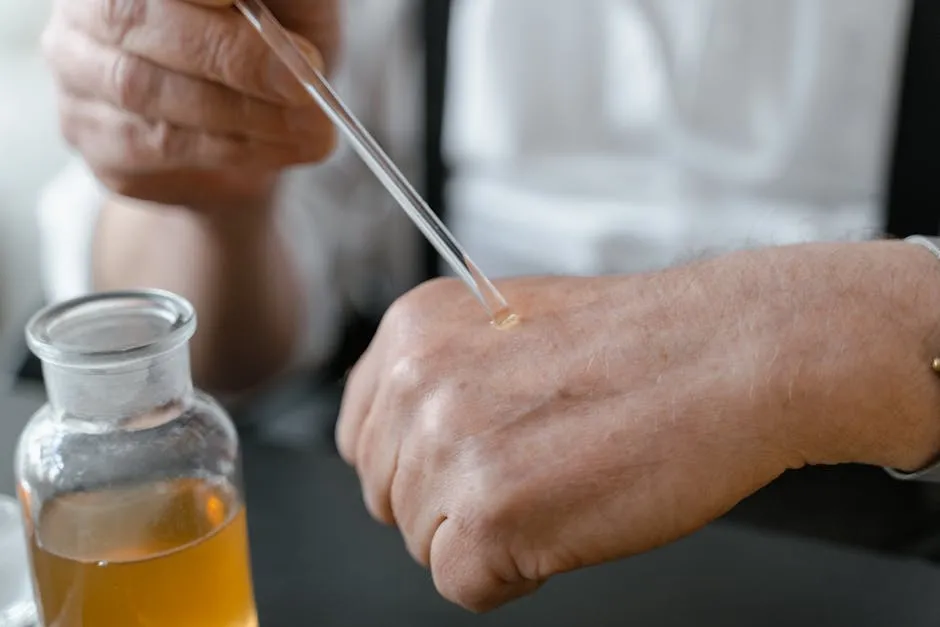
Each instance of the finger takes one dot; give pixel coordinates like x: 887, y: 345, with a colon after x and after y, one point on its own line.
x: 220, y: 46
x: 377, y: 452
x: 89, y: 70
x: 358, y: 397
x: 416, y: 511
x: 321, y: 22
x: 465, y: 574
x: 418, y: 487
x: 115, y: 140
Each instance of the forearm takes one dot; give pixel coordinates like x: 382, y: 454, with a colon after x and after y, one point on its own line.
x: 234, y: 268
x: 850, y: 363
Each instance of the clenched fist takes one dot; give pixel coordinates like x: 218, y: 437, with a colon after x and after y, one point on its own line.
x: 625, y: 412
x: 182, y: 102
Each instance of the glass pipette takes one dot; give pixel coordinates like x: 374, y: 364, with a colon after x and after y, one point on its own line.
x: 378, y: 161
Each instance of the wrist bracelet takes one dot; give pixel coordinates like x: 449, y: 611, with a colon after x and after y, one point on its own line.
x: 930, y: 473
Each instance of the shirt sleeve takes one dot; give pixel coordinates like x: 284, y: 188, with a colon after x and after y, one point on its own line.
x: 67, y: 212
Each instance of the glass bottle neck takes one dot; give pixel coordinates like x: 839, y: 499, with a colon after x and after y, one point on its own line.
x: 125, y: 391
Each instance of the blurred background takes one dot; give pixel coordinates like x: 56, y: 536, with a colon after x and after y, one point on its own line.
x: 31, y: 153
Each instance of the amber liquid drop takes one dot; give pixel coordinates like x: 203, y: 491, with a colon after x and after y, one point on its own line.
x: 171, y: 554
x: 505, y: 319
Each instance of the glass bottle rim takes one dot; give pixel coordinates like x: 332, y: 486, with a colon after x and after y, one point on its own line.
x: 75, y: 332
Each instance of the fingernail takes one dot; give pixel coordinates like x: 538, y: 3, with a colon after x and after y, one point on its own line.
x: 284, y: 81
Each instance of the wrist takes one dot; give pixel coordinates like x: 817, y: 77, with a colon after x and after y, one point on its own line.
x: 202, y: 192
x: 238, y: 226
x: 239, y: 220
x: 176, y: 248
x: 857, y: 379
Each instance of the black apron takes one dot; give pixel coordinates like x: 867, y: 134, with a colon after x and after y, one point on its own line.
x: 911, y: 202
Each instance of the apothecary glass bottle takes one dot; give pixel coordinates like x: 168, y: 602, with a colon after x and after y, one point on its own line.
x: 129, y: 477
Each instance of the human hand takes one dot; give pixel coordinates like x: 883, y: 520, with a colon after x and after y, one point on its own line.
x: 181, y: 102
x: 624, y: 413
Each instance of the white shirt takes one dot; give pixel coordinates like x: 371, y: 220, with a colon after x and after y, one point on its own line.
x: 586, y: 137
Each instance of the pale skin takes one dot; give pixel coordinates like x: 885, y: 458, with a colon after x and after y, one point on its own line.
x: 622, y: 413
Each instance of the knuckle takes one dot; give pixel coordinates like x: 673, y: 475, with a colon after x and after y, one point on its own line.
x: 419, y: 374
x: 218, y: 51
x: 405, y: 313
x: 132, y: 83
x: 168, y: 143
x: 162, y: 140
x: 439, y: 428
x: 484, y: 501
x: 408, y: 375
x: 433, y: 438
x: 152, y: 142
x: 229, y: 60
x: 486, y: 512
x: 120, y: 16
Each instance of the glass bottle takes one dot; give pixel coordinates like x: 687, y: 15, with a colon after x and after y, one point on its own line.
x: 129, y: 479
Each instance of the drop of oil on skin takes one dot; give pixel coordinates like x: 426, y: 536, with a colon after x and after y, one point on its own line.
x: 504, y: 320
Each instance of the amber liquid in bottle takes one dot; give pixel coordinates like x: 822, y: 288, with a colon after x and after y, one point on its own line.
x: 171, y: 554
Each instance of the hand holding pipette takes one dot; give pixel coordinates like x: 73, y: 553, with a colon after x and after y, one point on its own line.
x: 184, y: 105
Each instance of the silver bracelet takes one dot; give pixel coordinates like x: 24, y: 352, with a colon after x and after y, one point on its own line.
x: 930, y: 473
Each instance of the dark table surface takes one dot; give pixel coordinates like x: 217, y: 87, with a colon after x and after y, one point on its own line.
x: 319, y: 560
